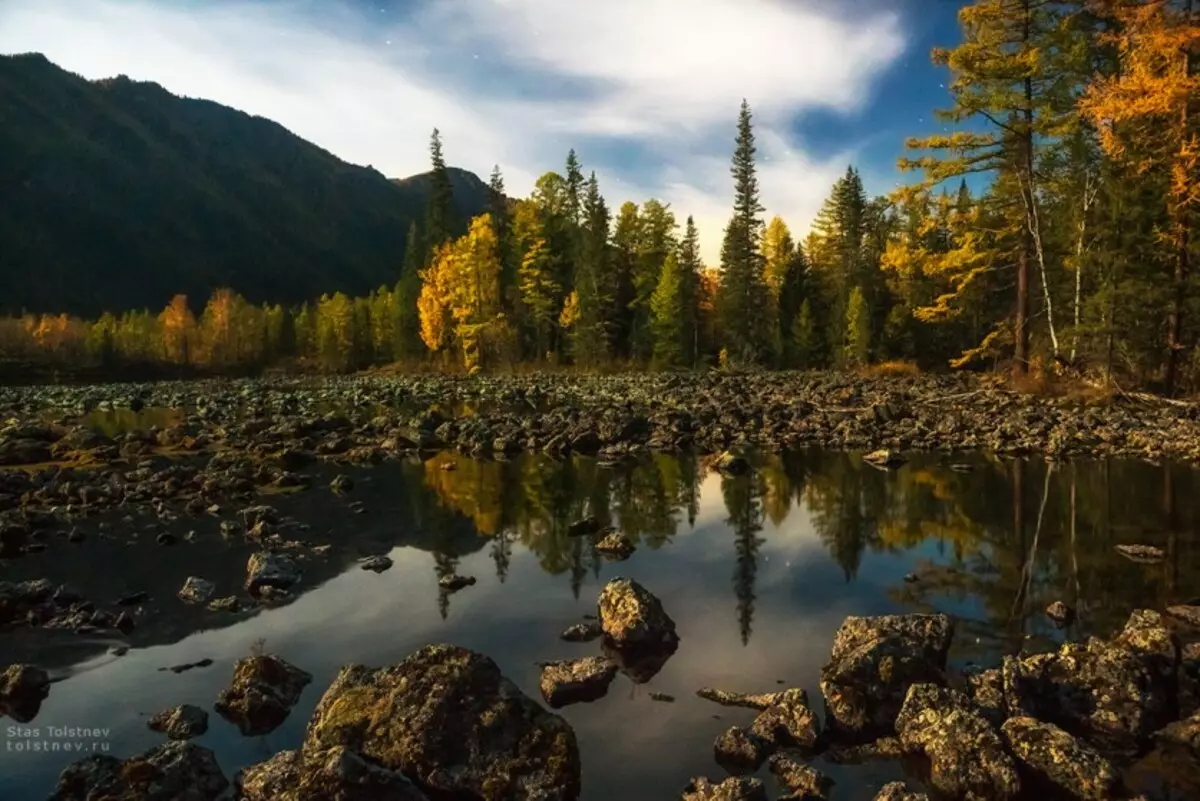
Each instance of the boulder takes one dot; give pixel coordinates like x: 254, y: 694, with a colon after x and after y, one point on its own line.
x: 377, y: 564
x: 616, y: 545
x: 741, y: 751
x: 1113, y: 693
x: 788, y: 724
x: 1179, y: 750
x: 737, y: 788
x: 967, y: 756
x: 898, y: 791
x: 874, y: 662
x: 174, y: 771
x: 576, y: 680
x: 986, y: 689
x: 446, y: 718
x: 17, y: 599
x: 337, y: 774
x: 802, y: 781
x: 265, y: 569
x: 632, y: 618
x: 1060, y: 760
x: 263, y: 691
x: 22, y: 690
x: 583, y: 632
x: 180, y: 723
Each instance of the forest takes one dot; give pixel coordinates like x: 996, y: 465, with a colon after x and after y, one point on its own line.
x: 1075, y: 121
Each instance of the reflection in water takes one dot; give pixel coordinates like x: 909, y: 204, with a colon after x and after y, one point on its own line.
x: 815, y: 536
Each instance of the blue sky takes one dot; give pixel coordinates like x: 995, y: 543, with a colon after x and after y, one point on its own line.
x: 646, y: 91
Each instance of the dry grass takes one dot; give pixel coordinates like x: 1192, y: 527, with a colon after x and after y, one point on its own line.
x: 890, y: 369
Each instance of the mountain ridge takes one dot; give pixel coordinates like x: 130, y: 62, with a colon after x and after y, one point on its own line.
x: 118, y: 194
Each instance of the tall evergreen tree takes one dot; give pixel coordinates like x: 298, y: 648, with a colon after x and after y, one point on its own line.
x: 690, y: 268
x: 408, y: 290
x: 667, y: 315
x: 590, y: 335
x: 439, y: 215
x: 742, y: 293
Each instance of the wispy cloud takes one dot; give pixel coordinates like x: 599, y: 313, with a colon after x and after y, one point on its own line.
x: 651, y: 87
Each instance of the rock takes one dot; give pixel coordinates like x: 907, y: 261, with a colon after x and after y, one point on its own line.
x: 884, y: 458
x: 986, y: 689
x: 455, y: 583
x: 898, y: 791
x: 802, y: 781
x: 873, y: 663
x: 227, y: 604
x: 166, y: 538
x: 663, y: 697
x: 502, y: 746
x: 17, y: 599
x: 639, y: 665
x: 174, y: 771
x: 632, y: 618
x: 1189, y: 680
x: 1060, y: 614
x: 759, y: 702
x: 1179, y: 748
x: 266, y: 569
x: 24, y: 452
x: 1187, y: 614
x: 736, y: 788
x: 1145, y: 554
x: 197, y: 590
x: 377, y: 564
x: 341, y: 484
x: 616, y: 545
x: 22, y: 690
x: 788, y: 724
x: 263, y: 690
x: 337, y: 774
x: 1071, y: 766
x: 741, y: 751
x: 582, y: 632
x: 1114, y: 694
x: 967, y: 757
x: 883, y: 748
x: 732, y: 465
x: 576, y: 680
x: 180, y: 723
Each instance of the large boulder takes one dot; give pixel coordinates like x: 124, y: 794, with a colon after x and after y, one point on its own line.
x: 1060, y: 760
x: 1179, y: 753
x: 263, y: 691
x: 967, y: 756
x: 265, y: 569
x: 446, y: 719
x: 1113, y: 693
x: 632, y: 618
x: 174, y: 771
x: 874, y: 662
x: 180, y: 723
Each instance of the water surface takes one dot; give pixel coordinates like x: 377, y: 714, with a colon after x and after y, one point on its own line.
x: 757, y: 571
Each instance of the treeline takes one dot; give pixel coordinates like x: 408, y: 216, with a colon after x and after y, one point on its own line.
x: 1080, y: 117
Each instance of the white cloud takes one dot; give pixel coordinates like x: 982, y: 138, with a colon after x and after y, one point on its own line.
x: 511, y: 81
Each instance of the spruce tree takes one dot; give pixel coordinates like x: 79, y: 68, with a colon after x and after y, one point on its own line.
x: 408, y: 290
x: 592, y: 273
x: 439, y: 215
x: 667, y: 315
x: 743, y: 294
x: 690, y: 267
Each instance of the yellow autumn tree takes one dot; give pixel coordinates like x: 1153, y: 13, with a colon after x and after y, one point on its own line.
x: 462, y: 287
x: 1146, y: 113
x: 178, y: 326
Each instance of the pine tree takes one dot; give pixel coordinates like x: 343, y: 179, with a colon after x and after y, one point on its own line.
x: 742, y: 293
x: 667, y: 310
x: 627, y: 234
x: 575, y: 187
x: 439, y: 223
x: 690, y: 268
x: 591, y: 338
x: 778, y: 261
x: 804, y: 337
x: 656, y: 240
x: 540, y: 294
x: 408, y: 290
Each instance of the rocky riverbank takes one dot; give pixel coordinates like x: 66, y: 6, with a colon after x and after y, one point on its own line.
x: 1064, y: 724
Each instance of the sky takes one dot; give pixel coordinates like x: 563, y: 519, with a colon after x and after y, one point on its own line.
x: 646, y: 91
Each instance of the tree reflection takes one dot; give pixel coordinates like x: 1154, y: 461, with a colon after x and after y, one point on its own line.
x: 743, y: 504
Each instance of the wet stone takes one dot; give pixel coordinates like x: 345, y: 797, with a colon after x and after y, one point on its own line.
x: 1145, y: 554
x: 576, y: 680
x: 1060, y: 614
x: 632, y: 617
x: 802, y: 781
x: 737, y: 788
x: 1068, y: 764
x: 174, y: 771
x: 789, y: 724
x: 455, y: 583
x: 899, y: 791
x: 265, y: 569
x: 22, y: 690
x: 377, y: 564
x: 197, y: 590
x: 180, y: 723
x: 873, y: 663
x: 582, y: 632
x: 740, y: 751
x: 262, y: 693
x: 616, y: 545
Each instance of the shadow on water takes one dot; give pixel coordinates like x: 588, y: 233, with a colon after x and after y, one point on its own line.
x: 758, y: 571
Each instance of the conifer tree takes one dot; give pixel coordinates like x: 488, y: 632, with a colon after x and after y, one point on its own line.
x: 667, y: 310
x: 858, y: 330
x: 690, y: 268
x: 439, y: 222
x: 742, y: 293
x: 591, y: 280
x: 408, y: 290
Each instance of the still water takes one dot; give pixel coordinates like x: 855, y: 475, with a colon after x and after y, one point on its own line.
x: 757, y: 571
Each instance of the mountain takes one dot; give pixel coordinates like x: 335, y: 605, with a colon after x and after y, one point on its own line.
x: 117, y: 194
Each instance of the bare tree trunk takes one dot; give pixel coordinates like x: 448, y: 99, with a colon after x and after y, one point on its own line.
x: 1090, y: 190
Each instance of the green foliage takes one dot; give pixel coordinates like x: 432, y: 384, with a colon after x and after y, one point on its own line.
x: 856, y: 351
x: 666, y: 306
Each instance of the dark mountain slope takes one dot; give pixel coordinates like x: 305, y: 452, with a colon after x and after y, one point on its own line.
x: 116, y: 194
